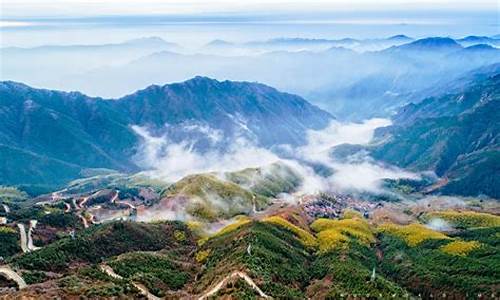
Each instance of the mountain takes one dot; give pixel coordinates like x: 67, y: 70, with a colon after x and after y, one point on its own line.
x: 51, y: 137
x: 441, y: 44
x: 41, y: 65
x: 234, y: 108
x: 278, y: 256
x: 456, y: 135
x: 475, y: 40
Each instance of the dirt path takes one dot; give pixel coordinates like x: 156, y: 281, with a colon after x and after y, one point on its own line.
x: 84, y: 221
x: 109, y: 271
x: 67, y: 208
x: 10, y: 274
x: 24, y: 240
x: 226, y: 279
x: 30, y: 245
x: 6, y: 208
x: 115, y: 197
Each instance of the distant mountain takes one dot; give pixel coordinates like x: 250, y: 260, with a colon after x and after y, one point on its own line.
x: 430, y: 44
x: 456, y: 135
x: 53, y: 65
x: 153, y: 42
x: 51, y: 137
x: 400, y: 37
x: 474, y: 40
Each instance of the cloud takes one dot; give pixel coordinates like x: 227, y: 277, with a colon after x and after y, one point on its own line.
x: 172, y: 161
x: 359, y: 173
x: 439, y: 224
x: 320, y: 142
x: 365, y: 176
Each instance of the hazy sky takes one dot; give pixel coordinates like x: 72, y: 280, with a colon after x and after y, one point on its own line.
x: 68, y: 8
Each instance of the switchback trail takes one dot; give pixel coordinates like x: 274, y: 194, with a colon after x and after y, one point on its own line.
x: 10, y: 274
x: 30, y: 245
x: 226, y: 279
x: 24, y: 240
x: 109, y: 271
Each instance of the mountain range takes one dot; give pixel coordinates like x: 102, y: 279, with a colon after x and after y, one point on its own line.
x: 456, y: 134
x: 50, y: 137
x: 352, y: 79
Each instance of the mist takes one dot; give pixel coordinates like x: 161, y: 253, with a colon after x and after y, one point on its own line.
x: 354, y: 79
x: 171, y: 161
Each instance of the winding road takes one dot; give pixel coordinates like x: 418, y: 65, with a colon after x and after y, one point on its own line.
x: 254, y: 206
x: 84, y: 221
x: 6, y: 271
x: 6, y: 208
x: 30, y: 245
x: 109, y: 271
x: 226, y: 279
x: 27, y: 240
x: 24, y: 240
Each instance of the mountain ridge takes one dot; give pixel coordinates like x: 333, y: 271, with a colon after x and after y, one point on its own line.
x: 93, y: 132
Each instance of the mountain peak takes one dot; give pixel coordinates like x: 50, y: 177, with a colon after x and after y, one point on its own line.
x: 434, y: 43
x: 481, y: 47
x: 400, y: 37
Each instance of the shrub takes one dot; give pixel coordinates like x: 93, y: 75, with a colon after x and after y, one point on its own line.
x: 305, y: 237
x: 9, y: 244
x: 179, y: 236
x: 412, y: 234
x: 467, y: 219
x: 331, y: 239
x: 351, y: 214
x: 233, y: 226
x: 334, y: 233
x: 201, y: 256
x: 461, y: 248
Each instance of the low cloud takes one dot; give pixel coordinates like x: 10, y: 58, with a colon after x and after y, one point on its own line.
x: 172, y: 161
x: 359, y: 173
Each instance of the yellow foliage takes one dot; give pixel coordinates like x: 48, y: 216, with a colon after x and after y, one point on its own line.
x: 468, y: 218
x: 201, y: 256
x: 305, y: 237
x: 331, y: 239
x: 233, y: 226
x: 179, y: 235
x: 5, y: 229
x: 202, y: 241
x: 333, y: 233
x: 351, y: 214
x: 461, y: 248
x: 413, y: 234
x: 194, y: 225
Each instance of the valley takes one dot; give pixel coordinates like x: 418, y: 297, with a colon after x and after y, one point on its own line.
x: 297, y: 245
x: 258, y: 150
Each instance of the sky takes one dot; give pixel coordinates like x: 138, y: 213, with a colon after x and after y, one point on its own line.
x: 79, y: 8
